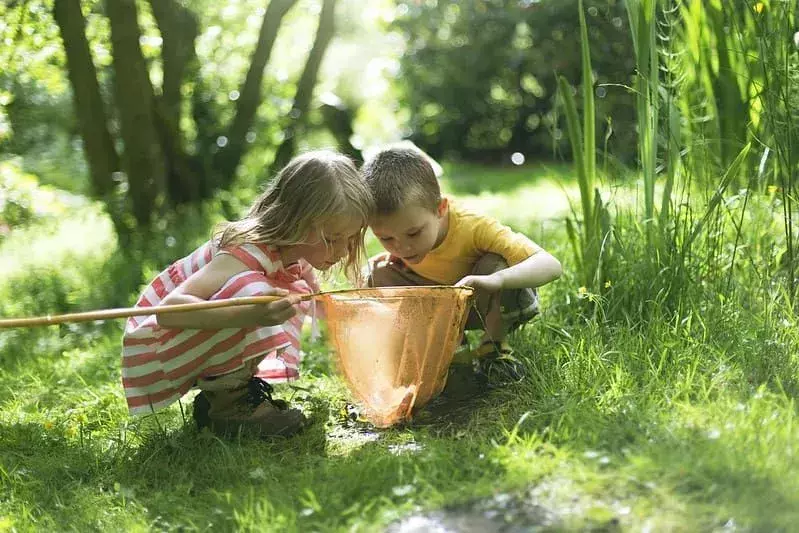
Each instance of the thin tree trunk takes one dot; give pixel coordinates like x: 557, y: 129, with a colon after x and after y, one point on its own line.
x: 143, y: 156
x: 227, y: 159
x: 306, y: 84
x: 179, y: 28
x: 98, y: 146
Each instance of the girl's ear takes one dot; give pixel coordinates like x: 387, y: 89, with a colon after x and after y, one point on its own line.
x: 443, y: 206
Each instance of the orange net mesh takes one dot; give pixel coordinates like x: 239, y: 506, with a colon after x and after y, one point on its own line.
x: 395, y: 344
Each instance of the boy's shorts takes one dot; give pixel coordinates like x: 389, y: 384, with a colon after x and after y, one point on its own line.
x: 518, y: 305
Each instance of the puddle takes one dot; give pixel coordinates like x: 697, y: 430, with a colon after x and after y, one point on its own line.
x: 501, y: 514
x: 408, y: 447
x: 348, y: 437
x: 550, y: 506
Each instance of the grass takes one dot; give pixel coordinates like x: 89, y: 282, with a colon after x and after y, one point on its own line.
x: 636, y: 417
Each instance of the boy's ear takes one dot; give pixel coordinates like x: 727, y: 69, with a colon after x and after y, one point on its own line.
x: 443, y: 205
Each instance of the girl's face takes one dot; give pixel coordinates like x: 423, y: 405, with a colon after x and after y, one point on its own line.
x: 327, y: 245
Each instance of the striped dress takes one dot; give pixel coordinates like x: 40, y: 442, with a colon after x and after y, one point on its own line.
x: 159, y: 364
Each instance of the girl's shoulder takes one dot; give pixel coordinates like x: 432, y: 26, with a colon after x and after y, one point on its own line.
x: 257, y: 257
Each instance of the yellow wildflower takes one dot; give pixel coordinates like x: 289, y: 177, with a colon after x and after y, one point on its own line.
x: 759, y: 7
x: 772, y: 189
x: 48, y: 425
x: 582, y: 291
x: 608, y: 284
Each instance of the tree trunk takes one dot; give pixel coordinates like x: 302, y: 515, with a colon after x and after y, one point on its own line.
x: 338, y: 117
x: 179, y: 28
x: 227, y: 159
x: 98, y: 146
x: 143, y: 155
x: 306, y: 84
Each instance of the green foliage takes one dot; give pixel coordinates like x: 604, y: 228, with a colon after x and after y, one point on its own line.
x: 589, y: 241
x: 16, y: 197
x: 24, y: 202
x: 480, y: 77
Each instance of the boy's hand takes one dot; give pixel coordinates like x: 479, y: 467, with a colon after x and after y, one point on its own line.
x: 384, y: 259
x: 490, y: 283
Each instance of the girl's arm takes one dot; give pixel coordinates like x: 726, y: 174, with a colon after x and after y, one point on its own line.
x: 206, y: 282
x: 538, y: 269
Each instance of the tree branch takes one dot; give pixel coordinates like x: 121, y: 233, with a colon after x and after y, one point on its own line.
x: 227, y: 159
x: 306, y: 84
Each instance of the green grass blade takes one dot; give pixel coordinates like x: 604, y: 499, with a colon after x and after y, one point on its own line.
x: 729, y: 175
x: 575, y: 134
x: 589, y: 114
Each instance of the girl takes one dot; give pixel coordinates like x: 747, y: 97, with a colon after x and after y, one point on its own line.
x: 311, y: 216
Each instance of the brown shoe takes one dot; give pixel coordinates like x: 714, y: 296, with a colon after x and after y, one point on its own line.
x: 247, y: 409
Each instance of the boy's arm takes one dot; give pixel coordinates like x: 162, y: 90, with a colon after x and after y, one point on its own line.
x: 531, y: 266
x: 204, y: 283
x: 538, y: 269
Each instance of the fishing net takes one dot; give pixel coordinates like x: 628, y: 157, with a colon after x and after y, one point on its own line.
x: 395, y: 344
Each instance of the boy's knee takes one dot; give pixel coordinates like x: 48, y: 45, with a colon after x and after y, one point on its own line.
x: 488, y: 264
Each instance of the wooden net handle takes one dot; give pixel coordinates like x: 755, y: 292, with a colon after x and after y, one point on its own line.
x: 126, y: 312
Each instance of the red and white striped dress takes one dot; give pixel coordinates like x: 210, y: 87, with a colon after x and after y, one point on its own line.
x: 159, y: 365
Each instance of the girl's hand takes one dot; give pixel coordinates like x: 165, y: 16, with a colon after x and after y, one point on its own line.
x: 277, y: 312
x: 490, y: 283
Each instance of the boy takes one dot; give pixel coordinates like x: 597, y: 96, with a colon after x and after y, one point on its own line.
x: 433, y: 240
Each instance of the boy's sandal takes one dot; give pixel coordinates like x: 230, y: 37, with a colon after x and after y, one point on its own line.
x: 497, y: 362
x: 463, y: 354
x: 489, y: 348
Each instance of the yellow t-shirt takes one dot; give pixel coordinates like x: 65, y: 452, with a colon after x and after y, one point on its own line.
x: 469, y: 237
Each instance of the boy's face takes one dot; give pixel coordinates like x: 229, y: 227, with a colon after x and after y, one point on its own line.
x: 412, y: 231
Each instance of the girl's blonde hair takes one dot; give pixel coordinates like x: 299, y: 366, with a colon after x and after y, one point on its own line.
x: 308, y: 192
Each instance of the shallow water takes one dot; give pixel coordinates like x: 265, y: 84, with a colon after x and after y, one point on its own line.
x: 554, y: 505
x: 501, y: 514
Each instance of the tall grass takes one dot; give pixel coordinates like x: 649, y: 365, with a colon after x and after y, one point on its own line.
x: 643, y: 26
x: 775, y: 71
x: 588, y: 243
x: 716, y: 98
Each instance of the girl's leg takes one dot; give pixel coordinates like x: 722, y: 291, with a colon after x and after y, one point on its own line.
x: 238, y: 402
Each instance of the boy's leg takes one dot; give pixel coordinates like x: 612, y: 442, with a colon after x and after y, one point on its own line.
x: 507, y: 312
x: 239, y: 402
x: 497, y: 315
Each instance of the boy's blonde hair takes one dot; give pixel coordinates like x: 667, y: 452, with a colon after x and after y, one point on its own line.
x: 399, y: 176
x: 311, y: 190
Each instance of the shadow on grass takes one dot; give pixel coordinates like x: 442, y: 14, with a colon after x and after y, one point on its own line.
x: 181, y: 478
